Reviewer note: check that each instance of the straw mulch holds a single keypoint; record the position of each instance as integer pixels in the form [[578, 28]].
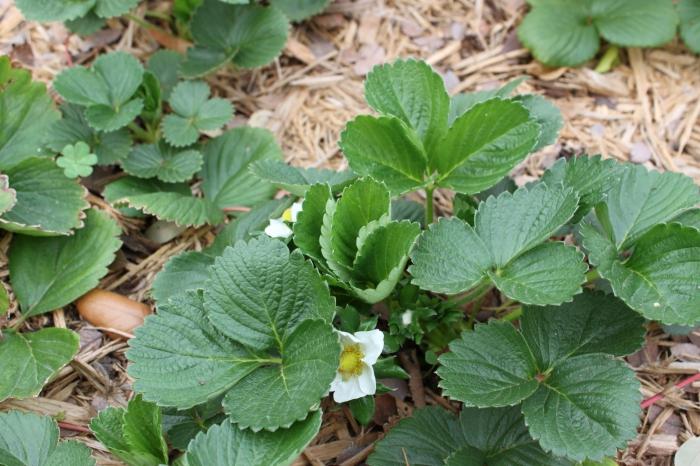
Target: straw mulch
[[645, 111]]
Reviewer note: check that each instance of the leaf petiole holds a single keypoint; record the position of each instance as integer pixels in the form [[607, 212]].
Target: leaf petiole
[[429, 206]]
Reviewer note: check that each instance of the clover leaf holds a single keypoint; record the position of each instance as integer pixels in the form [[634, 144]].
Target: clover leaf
[[413, 145], [247, 36], [194, 112], [76, 160], [477, 437], [562, 33], [27, 439], [107, 90], [134, 434], [261, 331], [354, 239], [577, 401], [506, 246]]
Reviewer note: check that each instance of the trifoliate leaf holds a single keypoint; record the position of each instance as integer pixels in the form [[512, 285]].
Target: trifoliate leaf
[[163, 162], [642, 199], [587, 408], [227, 444], [561, 34], [226, 177], [590, 177], [27, 439], [479, 437], [689, 13], [76, 160], [106, 90], [460, 103], [194, 112], [73, 128], [246, 35], [309, 224], [26, 113], [405, 209], [186, 271], [8, 196], [48, 273], [546, 114], [182, 426], [660, 277], [31, 359], [48, 203], [483, 145], [296, 10], [134, 434], [54, 10], [298, 180], [507, 245], [261, 310], [165, 66], [413, 92], [167, 201]]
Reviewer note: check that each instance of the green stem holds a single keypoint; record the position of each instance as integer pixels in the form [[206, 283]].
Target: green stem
[[429, 206], [145, 24], [473, 295], [18, 323], [592, 275], [608, 60], [513, 315], [140, 133]]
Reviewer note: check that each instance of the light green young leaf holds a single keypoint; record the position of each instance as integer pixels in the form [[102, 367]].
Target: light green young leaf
[[413, 92], [660, 278], [8, 196], [246, 35], [297, 180], [73, 128], [30, 360], [227, 444], [76, 160], [27, 439], [26, 113], [297, 10], [163, 162], [134, 434], [48, 273], [194, 112], [106, 90], [643, 198], [48, 203], [689, 13]]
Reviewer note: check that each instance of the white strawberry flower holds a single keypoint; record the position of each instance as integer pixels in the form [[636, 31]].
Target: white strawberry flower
[[278, 227], [355, 375]]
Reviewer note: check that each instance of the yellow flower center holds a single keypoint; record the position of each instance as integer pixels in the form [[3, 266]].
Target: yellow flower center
[[350, 361], [287, 215]]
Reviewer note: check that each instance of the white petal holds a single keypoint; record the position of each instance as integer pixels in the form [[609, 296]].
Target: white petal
[[406, 318], [296, 208], [366, 380], [347, 338], [348, 390], [372, 343], [278, 229], [336, 382]]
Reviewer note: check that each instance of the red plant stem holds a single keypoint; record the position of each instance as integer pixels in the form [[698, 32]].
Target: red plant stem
[[659, 396], [73, 427]]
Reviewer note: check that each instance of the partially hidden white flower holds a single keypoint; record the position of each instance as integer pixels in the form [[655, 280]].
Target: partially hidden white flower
[[407, 318], [278, 227], [355, 375]]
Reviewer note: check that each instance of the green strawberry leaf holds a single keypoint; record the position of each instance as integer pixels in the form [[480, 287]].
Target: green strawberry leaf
[[689, 218], [163, 162], [8, 196], [54, 10], [26, 112], [193, 113], [546, 114], [413, 92], [227, 444], [507, 246], [48, 203], [460, 103], [134, 434], [186, 271], [279, 339], [111, 8], [636, 23], [85, 25], [309, 224], [76, 160], [406, 209], [298, 180], [297, 10], [49, 273], [27, 439], [106, 90], [30, 360], [165, 66], [642, 199], [182, 426], [248, 36], [73, 128], [166, 201], [689, 13], [660, 277]]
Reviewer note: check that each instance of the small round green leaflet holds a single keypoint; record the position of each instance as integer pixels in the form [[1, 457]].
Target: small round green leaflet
[[260, 334]]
